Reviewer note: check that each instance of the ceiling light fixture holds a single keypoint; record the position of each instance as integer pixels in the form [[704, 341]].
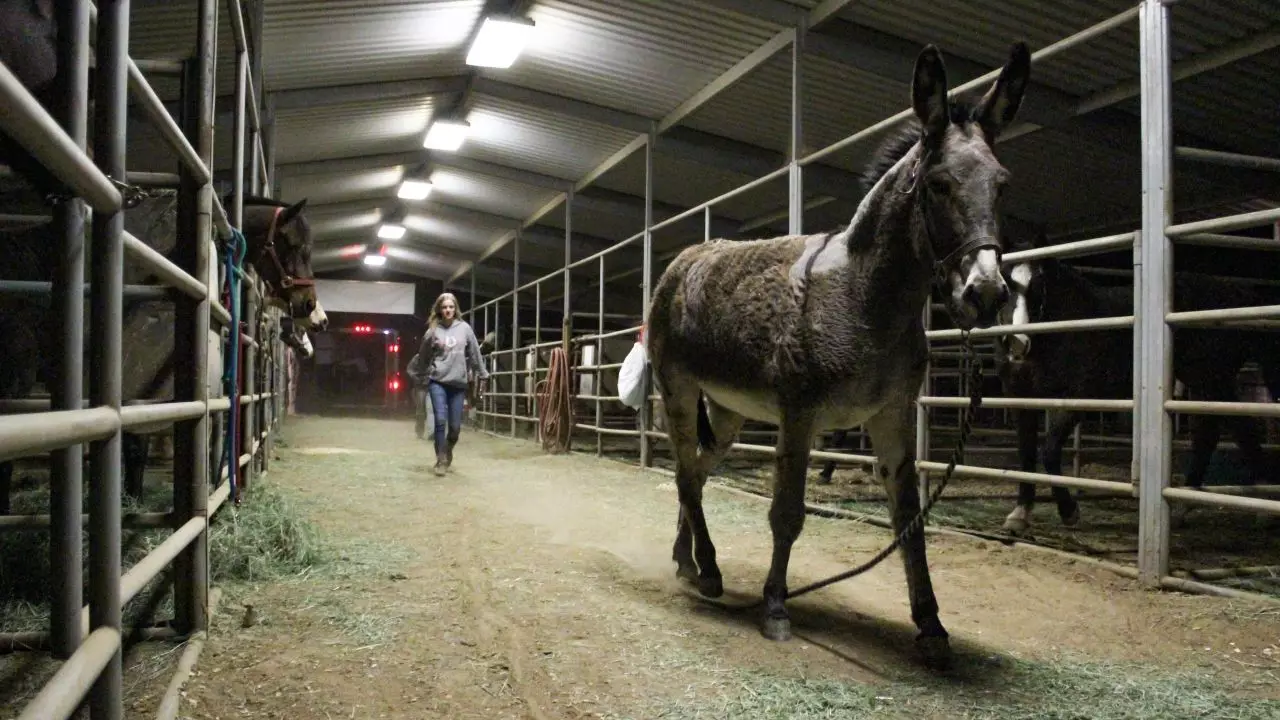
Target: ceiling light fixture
[[414, 189], [446, 134], [391, 231], [500, 41], [375, 260]]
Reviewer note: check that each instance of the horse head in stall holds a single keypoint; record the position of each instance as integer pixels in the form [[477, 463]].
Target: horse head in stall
[[279, 243]]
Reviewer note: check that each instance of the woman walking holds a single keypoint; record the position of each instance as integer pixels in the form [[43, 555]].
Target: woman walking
[[448, 347]]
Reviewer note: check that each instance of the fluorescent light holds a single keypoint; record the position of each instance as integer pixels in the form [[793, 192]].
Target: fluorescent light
[[446, 134], [375, 260], [391, 232], [499, 42], [414, 189]]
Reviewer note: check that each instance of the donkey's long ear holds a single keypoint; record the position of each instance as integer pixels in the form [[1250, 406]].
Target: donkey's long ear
[[1000, 105], [292, 211], [929, 93]]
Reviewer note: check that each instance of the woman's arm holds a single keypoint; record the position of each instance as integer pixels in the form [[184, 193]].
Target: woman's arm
[[473, 355]]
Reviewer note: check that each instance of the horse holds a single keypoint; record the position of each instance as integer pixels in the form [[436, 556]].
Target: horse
[[825, 331], [278, 246], [1099, 364], [28, 48]]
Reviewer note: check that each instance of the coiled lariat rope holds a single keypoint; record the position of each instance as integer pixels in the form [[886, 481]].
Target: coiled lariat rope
[[917, 522], [555, 404]]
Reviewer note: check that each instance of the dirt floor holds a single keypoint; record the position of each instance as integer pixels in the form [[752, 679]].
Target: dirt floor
[[525, 585]]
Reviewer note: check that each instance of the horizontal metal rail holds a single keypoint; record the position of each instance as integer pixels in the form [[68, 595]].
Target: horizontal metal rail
[[1204, 407], [164, 122], [698, 209], [1225, 224], [1229, 241], [88, 661], [612, 248], [34, 433], [166, 269], [1220, 315], [1079, 248], [1084, 324], [1090, 405], [45, 288], [132, 416], [1111, 487], [1218, 500], [26, 120], [606, 336]]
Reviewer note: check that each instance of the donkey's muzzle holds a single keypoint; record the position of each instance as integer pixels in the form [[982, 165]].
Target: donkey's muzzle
[[984, 299]]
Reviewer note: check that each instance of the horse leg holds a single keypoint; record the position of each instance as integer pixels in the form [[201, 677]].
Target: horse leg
[[837, 441], [892, 433], [1061, 423], [1019, 520], [693, 541], [1205, 433], [786, 515], [1247, 432], [134, 448]]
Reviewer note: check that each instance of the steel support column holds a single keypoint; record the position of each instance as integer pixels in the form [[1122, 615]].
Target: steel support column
[[67, 388], [1154, 265], [515, 326], [237, 139], [795, 174], [646, 408], [106, 327]]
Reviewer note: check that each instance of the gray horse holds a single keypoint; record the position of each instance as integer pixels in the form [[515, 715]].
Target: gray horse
[[825, 331]]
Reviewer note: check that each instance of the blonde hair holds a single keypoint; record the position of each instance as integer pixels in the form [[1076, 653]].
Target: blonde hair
[[434, 319]]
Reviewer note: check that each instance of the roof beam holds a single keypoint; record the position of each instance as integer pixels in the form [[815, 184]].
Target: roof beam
[[561, 104], [303, 98]]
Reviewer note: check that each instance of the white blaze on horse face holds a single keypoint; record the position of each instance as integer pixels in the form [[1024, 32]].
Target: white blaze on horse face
[[1020, 343]]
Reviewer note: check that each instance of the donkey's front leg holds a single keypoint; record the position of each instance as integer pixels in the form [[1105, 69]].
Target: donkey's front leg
[[894, 440], [786, 516]]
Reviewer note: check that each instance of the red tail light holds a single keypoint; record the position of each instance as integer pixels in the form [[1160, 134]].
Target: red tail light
[[394, 347], [394, 384]]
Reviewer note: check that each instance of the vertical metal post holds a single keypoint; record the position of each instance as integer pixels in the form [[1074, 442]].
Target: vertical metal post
[[706, 224], [1155, 265], [248, 408], [566, 321], [67, 389], [515, 330], [191, 331], [253, 22], [1075, 448], [1135, 457], [597, 385], [270, 182], [922, 414], [472, 304], [237, 147], [795, 174], [537, 340], [646, 408], [106, 301]]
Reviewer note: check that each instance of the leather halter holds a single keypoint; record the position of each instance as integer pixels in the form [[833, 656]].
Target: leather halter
[[940, 266], [287, 280]]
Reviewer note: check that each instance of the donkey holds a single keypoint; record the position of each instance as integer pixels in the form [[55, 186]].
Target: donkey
[[28, 48], [825, 331], [1100, 365]]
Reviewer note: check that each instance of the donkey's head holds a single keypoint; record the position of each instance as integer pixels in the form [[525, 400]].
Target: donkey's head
[[279, 240], [961, 183]]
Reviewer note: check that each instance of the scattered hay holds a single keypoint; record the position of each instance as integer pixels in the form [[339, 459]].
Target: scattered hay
[[331, 451], [267, 538], [996, 689]]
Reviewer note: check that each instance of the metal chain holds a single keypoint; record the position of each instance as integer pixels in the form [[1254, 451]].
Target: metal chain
[[917, 522], [130, 195]]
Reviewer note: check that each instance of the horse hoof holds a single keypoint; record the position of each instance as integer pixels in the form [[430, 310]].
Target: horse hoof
[[777, 629], [1015, 526], [935, 650], [712, 587], [1073, 519]]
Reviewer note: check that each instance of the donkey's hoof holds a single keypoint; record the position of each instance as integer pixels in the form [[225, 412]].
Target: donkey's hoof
[[688, 573], [824, 479], [712, 587], [935, 650], [777, 629]]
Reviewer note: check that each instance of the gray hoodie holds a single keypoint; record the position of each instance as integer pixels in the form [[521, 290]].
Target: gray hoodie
[[447, 350]]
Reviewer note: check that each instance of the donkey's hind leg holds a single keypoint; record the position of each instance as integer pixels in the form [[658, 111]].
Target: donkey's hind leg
[[716, 430], [786, 515], [693, 541], [894, 440]]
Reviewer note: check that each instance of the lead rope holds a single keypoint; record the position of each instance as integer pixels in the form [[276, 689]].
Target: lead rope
[[917, 522]]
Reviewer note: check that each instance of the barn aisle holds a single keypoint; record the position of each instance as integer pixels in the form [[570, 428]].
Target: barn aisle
[[530, 586]]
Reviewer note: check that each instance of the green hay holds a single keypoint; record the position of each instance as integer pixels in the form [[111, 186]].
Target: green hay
[[998, 690], [267, 538]]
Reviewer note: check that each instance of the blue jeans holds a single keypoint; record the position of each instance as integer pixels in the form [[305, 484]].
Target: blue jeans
[[446, 404]]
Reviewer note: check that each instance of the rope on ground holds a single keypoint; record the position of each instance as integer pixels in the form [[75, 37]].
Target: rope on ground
[[555, 404]]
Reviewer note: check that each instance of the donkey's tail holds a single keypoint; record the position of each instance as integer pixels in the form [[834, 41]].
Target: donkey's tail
[[706, 436]]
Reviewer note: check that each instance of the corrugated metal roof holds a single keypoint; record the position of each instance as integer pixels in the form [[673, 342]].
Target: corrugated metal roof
[[486, 194], [351, 129], [329, 188], [336, 42], [436, 225], [538, 140], [643, 56]]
